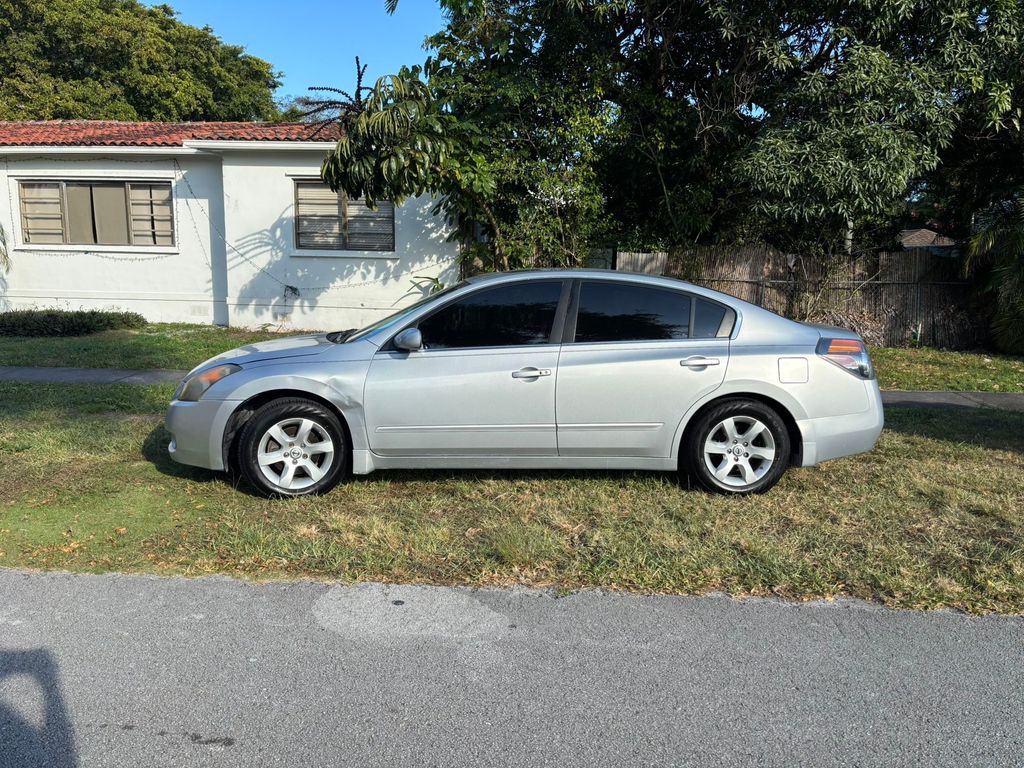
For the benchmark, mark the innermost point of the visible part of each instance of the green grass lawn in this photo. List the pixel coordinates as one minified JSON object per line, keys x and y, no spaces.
{"x":933,"y":517}
{"x":158,"y":345}
{"x":162,"y":345}
{"x":925,"y":368}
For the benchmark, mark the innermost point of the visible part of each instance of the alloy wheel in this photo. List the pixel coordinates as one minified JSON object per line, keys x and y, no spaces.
{"x":295,"y":453}
{"x":739,"y":451}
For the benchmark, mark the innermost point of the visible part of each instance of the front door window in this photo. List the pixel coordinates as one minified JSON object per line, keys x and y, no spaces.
{"x":517,"y":315}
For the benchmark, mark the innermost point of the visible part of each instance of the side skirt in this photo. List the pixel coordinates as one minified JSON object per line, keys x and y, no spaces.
{"x":364,"y":462}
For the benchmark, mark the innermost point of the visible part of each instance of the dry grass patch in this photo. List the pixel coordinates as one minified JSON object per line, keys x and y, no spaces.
{"x":931,"y":518}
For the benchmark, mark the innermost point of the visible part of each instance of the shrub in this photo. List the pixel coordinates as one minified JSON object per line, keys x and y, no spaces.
{"x":60,"y":322}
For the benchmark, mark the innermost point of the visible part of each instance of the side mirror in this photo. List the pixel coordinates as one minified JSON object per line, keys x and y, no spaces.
{"x":409,"y":340}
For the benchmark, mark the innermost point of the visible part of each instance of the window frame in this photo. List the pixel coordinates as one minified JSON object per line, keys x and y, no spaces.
{"x":569,"y":328}
{"x":62,"y":183}
{"x":301,"y":250}
{"x":554,"y":337}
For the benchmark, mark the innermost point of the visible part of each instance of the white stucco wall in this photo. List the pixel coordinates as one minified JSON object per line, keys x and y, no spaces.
{"x":234,"y":251}
{"x":164,"y":284}
{"x":337,"y":289}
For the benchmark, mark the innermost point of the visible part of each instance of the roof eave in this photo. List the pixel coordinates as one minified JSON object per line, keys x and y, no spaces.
{"x":95,"y":149}
{"x":226,"y":145}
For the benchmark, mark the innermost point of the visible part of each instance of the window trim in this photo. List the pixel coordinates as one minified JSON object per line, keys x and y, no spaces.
{"x":569,"y":332}
{"x":327,"y":252}
{"x":557,"y":325}
{"x":65,"y":246}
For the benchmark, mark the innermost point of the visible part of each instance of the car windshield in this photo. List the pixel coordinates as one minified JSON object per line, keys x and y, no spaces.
{"x":393,"y":319}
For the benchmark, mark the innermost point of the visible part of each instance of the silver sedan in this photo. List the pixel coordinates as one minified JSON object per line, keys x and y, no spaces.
{"x":545,"y":369}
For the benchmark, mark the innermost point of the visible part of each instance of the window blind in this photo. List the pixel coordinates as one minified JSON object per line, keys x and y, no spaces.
{"x":328,"y":220}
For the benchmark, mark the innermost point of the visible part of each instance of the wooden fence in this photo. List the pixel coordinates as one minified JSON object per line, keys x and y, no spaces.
{"x":896,"y":298}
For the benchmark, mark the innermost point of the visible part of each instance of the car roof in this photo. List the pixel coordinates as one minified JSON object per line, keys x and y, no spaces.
{"x":768,"y":323}
{"x":598,"y":274}
{"x":608,"y":274}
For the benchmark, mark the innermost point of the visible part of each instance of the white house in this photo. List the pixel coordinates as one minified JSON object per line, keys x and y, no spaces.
{"x":224,"y":223}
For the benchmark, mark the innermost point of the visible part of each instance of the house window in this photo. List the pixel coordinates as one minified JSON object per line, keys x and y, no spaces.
{"x":326,"y":220}
{"x":97,"y":213}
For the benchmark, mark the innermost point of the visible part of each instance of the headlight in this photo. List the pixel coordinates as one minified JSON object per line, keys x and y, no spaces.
{"x":192,"y":389}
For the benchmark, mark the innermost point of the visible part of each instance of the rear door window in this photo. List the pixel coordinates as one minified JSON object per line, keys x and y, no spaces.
{"x":711,"y":320}
{"x":621,"y":312}
{"x":504,"y":316}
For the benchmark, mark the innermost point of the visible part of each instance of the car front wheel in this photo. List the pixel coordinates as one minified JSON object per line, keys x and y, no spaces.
{"x":293,"y":447}
{"x":737,"y":447}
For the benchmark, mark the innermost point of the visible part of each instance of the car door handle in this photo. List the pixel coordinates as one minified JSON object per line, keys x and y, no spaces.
{"x":531,"y":373}
{"x":697,"y":361}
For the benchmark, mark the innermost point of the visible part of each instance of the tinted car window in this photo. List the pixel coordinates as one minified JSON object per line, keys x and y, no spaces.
{"x":619,"y":312}
{"x":504,"y":316}
{"x":711,"y":320}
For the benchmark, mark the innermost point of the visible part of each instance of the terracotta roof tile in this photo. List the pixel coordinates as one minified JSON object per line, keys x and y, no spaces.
{"x":109,"y":133}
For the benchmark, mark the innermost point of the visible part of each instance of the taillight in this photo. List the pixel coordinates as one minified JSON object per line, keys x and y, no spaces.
{"x":848,"y":354}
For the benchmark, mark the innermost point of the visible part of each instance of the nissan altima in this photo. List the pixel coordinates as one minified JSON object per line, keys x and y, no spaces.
{"x":540,"y":369}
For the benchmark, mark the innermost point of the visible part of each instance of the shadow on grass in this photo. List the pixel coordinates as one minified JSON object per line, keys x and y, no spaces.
{"x":154,"y":450}
{"x":984,"y":427}
{"x":987,"y":428}
{"x":481,"y":475}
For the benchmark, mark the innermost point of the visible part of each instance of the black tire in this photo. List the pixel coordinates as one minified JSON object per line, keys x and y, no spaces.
{"x":733,"y":465}
{"x":325,"y":425}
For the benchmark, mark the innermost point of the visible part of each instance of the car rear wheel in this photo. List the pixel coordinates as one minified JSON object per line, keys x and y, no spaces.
{"x":293,"y":447}
{"x":737,"y":447}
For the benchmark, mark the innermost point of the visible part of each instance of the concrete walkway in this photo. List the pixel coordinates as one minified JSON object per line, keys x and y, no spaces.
{"x":1005,"y":401}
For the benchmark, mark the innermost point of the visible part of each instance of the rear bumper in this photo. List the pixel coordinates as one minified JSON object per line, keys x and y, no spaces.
{"x":197,"y":431}
{"x":835,"y":436}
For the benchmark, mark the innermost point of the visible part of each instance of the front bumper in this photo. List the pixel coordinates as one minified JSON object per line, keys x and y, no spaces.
{"x":197,"y":431}
{"x":833,"y":437}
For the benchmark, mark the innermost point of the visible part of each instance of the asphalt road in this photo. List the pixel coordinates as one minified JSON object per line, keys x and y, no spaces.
{"x":138,"y":671}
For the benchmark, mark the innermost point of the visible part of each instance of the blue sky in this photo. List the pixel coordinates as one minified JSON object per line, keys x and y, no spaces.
{"x":315,"y":42}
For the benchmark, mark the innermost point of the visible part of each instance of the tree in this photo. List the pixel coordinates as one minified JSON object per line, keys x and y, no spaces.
{"x":981,"y":165}
{"x":668,"y":122}
{"x":121,"y":60}
{"x":791,"y":118}
{"x":998,"y":244}
{"x":504,"y":136}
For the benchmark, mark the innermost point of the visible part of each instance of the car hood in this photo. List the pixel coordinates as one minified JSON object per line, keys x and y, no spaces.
{"x":276,"y":349}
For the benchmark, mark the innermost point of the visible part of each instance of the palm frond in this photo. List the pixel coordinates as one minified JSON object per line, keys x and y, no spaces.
{"x":998,"y":241}
{"x":995,"y":230}
{"x":1008,"y":328}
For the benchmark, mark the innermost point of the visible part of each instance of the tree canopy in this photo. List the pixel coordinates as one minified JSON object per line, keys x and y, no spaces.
{"x":559,"y":124}
{"x":121,"y":60}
